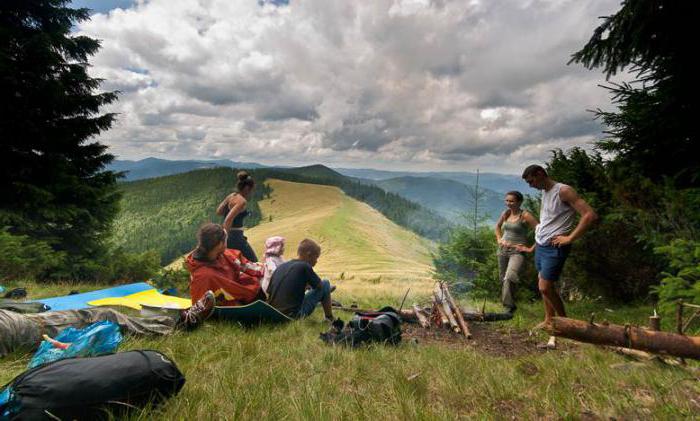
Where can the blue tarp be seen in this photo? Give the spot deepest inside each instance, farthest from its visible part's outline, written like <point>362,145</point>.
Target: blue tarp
<point>78,301</point>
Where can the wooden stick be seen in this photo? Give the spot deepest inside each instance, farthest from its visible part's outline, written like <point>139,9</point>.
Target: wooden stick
<point>441,314</point>
<point>643,355</point>
<point>422,318</point>
<point>442,302</point>
<point>458,313</point>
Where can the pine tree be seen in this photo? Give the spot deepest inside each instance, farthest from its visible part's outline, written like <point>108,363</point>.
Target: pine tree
<point>654,134</point>
<point>54,187</point>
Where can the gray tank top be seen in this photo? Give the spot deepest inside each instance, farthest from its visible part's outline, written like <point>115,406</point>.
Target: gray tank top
<point>556,216</point>
<point>515,232</point>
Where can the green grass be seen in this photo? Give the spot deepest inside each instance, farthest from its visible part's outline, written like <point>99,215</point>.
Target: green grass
<point>286,372</point>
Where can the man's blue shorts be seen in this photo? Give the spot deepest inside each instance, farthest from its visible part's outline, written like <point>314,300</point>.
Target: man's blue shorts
<point>549,261</point>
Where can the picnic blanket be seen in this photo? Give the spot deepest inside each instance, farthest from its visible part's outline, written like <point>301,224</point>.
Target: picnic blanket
<point>78,301</point>
<point>149,298</point>
<point>253,313</point>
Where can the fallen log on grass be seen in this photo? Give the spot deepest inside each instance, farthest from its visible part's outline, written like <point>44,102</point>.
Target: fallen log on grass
<point>410,316</point>
<point>626,336</point>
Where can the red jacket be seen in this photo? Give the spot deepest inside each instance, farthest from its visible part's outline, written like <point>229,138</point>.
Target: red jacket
<point>231,277</point>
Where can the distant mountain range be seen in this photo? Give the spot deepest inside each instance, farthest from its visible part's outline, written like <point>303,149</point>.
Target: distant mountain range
<point>450,194</point>
<point>155,167</point>
<point>451,199</point>
<point>500,183</point>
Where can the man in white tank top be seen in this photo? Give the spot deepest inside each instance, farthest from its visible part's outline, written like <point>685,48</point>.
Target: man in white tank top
<point>554,235</point>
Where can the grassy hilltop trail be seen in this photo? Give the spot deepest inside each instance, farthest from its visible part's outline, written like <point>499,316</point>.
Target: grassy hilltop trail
<point>361,246</point>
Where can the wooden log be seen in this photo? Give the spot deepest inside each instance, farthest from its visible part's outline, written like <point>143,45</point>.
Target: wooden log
<point>441,300</point>
<point>458,312</point>
<point>627,337</point>
<point>422,318</point>
<point>440,315</point>
<point>409,315</point>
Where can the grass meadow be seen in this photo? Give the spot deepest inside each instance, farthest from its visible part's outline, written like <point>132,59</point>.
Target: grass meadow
<point>287,373</point>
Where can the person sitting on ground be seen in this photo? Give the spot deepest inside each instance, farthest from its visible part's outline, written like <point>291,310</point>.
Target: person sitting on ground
<point>554,235</point>
<point>233,278</point>
<point>274,249</point>
<point>511,236</point>
<point>24,331</point>
<point>290,280</point>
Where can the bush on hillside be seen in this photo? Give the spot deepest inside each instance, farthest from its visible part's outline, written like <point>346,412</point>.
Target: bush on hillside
<point>123,266</point>
<point>682,279</point>
<point>24,258</point>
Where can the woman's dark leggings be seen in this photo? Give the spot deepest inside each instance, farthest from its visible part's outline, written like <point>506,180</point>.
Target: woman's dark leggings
<point>238,241</point>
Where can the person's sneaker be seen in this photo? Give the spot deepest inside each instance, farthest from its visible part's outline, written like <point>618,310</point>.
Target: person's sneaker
<point>199,312</point>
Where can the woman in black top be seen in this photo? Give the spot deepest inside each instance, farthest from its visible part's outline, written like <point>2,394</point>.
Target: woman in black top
<point>232,208</point>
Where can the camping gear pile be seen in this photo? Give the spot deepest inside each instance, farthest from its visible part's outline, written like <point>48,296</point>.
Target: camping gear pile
<point>383,326</point>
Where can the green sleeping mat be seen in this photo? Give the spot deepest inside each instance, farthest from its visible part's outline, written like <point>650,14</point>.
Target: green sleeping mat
<point>253,313</point>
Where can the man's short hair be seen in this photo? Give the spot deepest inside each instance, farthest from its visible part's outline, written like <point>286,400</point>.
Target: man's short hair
<point>533,170</point>
<point>308,247</point>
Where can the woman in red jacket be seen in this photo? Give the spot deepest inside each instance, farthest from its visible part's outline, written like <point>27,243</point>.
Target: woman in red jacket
<point>233,278</point>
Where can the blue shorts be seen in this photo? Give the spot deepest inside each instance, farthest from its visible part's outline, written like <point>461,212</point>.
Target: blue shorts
<point>549,261</point>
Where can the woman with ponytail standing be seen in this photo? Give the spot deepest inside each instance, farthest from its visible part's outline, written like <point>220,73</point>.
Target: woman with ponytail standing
<point>511,235</point>
<point>233,209</point>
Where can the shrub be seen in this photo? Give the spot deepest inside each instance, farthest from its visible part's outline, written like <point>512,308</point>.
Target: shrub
<point>21,257</point>
<point>682,279</point>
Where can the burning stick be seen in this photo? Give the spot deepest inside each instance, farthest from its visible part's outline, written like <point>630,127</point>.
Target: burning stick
<point>443,305</point>
<point>458,312</point>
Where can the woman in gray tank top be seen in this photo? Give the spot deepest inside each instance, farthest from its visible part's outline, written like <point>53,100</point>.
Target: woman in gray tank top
<point>511,234</point>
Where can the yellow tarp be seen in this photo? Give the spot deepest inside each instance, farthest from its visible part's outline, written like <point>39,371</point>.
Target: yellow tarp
<point>151,298</point>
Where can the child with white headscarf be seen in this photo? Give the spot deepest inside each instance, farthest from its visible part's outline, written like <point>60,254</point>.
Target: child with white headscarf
<point>274,249</point>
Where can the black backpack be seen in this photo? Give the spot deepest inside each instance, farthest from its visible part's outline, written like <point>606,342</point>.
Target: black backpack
<point>383,326</point>
<point>87,388</point>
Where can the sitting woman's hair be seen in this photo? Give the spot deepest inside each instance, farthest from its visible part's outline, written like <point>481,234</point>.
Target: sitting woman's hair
<point>308,248</point>
<point>244,180</point>
<point>208,237</point>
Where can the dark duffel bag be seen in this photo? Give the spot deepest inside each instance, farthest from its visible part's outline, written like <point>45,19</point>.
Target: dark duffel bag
<point>91,388</point>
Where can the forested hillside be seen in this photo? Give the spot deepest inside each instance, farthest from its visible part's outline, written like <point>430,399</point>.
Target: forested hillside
<point>163,213</point>
<point>449,198</point>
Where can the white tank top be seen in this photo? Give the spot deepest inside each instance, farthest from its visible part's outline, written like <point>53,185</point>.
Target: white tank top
<point>556,216</point>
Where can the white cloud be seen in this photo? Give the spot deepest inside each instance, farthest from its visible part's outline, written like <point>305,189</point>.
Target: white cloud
<point>405,84</point>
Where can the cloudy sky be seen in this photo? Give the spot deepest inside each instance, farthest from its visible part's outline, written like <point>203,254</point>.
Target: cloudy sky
<point>388,84</point>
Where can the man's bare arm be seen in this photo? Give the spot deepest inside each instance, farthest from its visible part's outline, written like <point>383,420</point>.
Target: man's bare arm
<point>588,216</point>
